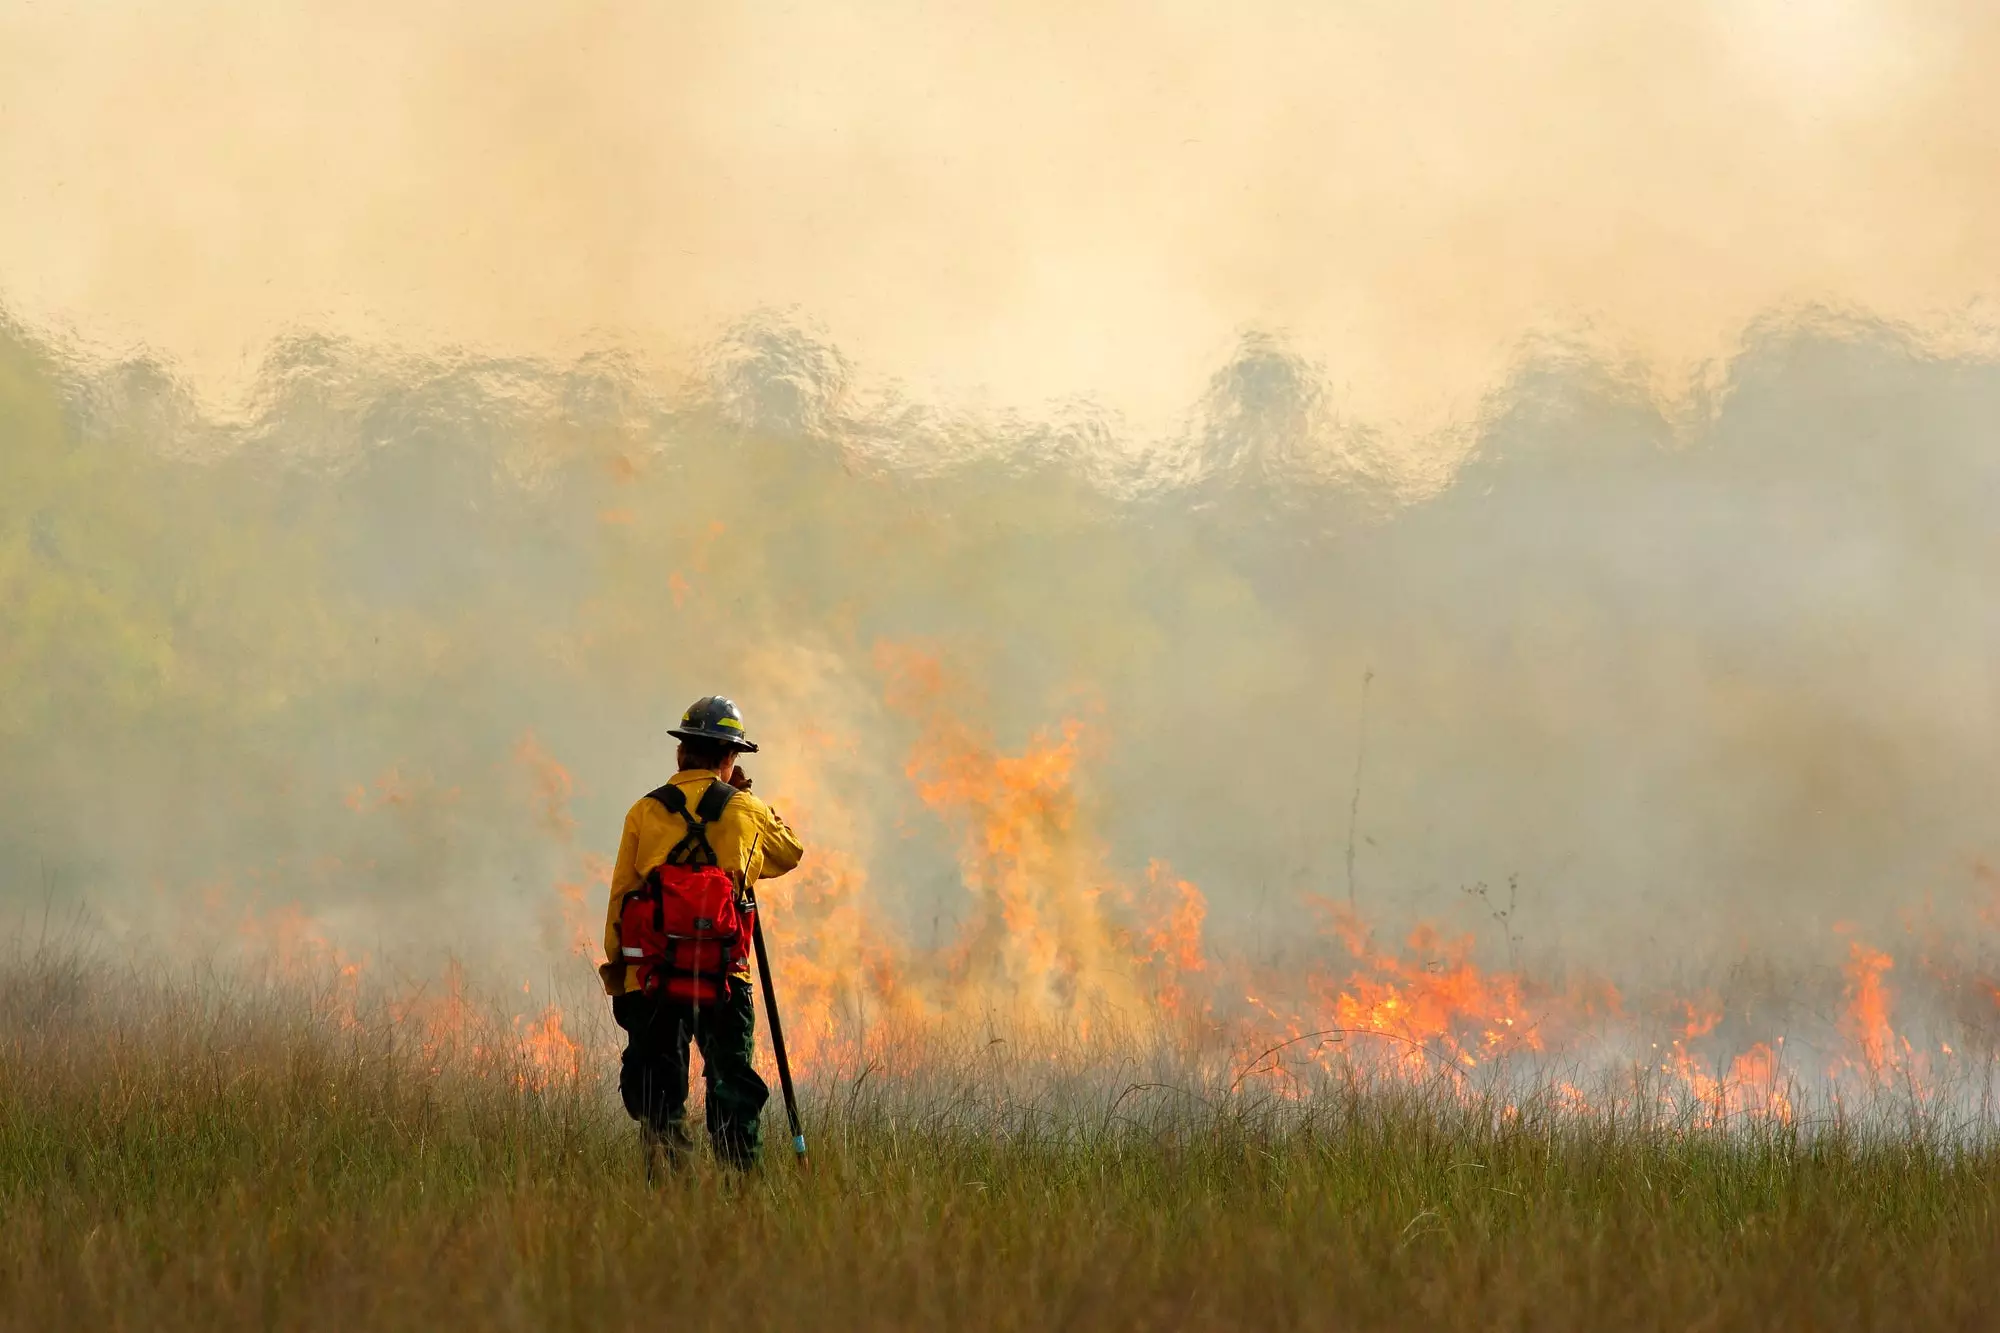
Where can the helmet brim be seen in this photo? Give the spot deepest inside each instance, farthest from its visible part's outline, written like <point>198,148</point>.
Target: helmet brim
<point>737,743</point>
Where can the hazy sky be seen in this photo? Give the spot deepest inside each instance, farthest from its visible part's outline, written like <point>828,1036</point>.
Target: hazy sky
<point>1024,202</point>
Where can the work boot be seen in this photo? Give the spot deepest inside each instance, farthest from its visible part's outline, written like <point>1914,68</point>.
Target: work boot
<point>669,1146</point>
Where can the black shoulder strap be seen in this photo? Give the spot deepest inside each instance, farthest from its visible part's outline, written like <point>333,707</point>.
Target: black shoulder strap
<point>693,849</point>
<point>714,801</point>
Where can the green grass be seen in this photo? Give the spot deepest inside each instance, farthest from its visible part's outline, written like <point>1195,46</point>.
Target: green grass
<point>202,1156</point>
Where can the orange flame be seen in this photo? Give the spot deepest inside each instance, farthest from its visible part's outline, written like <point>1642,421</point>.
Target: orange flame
<point>1866,1022</point>
<point>1415,1013</point>
<point>1038,939</point>
<point>551,1055</point>
<point>1171,944</point>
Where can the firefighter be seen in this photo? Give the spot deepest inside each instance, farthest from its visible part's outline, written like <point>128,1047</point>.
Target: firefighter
<point>704,816</point>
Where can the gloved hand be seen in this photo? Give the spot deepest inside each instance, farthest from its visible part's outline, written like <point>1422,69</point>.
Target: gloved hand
<point>740,780</point>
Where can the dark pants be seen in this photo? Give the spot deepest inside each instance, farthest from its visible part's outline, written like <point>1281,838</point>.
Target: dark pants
<point>653,1077</point>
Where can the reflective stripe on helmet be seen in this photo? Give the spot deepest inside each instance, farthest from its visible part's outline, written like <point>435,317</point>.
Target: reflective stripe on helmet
<point>715,718</point>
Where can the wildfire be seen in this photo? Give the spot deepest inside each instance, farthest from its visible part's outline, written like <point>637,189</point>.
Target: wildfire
<point>549,1054</point>
<point>1038,939</point>
<point>1050,933</point>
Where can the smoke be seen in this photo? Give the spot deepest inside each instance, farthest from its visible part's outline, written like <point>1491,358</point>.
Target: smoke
<point>1015,205</point>
<point>400,645</point>
<point>1426,456</point>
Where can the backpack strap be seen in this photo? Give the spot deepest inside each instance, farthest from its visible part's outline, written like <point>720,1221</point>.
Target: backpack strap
<point>693,849</point>
<point>714,801</point>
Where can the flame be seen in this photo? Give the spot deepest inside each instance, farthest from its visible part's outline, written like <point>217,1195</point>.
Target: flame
<point>1757,1086</point>
<point>1754,1087</point>
<point>1170,941</point>
<point>1052,934</point>
<point>1424,1011</point>
<point>443,1025</point>
<point>1866,1021</point>
<point>1039,940</point>
<point>550,1054</point>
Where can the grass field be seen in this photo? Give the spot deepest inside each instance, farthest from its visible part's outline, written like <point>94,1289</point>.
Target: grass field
<point>206,1155</point>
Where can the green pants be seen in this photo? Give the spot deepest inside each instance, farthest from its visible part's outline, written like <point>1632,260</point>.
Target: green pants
<point>653,1077</point>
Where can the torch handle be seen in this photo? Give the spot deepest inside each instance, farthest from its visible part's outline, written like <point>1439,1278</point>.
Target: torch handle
<point>777,1031</point>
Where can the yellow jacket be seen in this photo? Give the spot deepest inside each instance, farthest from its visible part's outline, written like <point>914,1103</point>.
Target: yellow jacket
<point>749,840</point>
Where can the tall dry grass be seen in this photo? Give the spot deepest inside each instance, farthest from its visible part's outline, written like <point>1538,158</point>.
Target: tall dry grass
<point>204,1153</point>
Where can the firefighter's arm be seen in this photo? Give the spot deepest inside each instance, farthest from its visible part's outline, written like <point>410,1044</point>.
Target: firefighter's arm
<point>779,848</point>
<point>624,878</point>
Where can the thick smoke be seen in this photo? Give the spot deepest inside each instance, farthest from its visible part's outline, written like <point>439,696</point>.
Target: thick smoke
<point>399,643</point>
<point>1040,202</point>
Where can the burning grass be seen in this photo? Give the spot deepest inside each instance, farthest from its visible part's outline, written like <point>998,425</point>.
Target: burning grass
<point>208,1154</point>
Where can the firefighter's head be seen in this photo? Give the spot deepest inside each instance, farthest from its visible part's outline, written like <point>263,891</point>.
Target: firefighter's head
<point>711,736</point>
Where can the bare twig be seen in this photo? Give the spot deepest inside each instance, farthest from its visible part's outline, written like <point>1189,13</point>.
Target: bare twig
<point>1360,761</point>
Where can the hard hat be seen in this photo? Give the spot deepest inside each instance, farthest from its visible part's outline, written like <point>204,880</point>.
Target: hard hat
<point>714,718</point>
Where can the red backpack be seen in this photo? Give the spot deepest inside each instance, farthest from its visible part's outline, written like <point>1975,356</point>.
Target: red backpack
<point>684,927</point>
